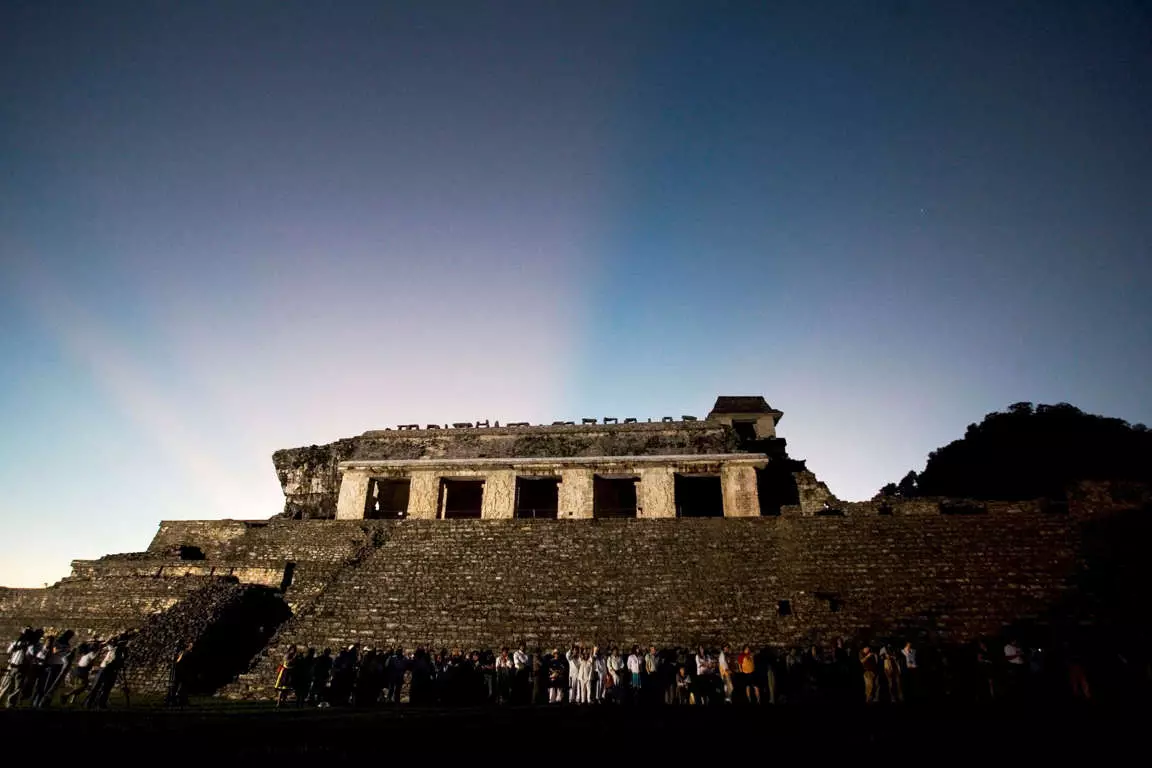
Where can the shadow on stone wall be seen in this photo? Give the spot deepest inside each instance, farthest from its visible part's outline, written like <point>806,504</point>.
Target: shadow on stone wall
<point>224,624</point>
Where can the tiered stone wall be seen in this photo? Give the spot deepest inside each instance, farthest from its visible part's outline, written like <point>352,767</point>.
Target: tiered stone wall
<point>952,569</point>
<point>91,607</point>
<point>872,570</point>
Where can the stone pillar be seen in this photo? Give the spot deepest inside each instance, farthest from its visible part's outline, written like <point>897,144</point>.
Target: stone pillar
<point>353,495</point>
<point>575,494</point>
<point>424,495</point>
<point>741,498</point>
<point>657,493</point>
<point>499,495</point>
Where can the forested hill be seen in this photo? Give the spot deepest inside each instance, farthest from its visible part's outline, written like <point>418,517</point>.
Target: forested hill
<point>1028,452</point>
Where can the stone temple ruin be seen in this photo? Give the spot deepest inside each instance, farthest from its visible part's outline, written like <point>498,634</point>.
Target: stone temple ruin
<point>674,532</point>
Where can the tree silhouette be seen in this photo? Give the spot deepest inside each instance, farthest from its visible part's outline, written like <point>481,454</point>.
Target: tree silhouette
<point>1028,452</point>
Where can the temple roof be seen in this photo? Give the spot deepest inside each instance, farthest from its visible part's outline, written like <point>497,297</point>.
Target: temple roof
<point>741,404</point>
<point>744,405</point>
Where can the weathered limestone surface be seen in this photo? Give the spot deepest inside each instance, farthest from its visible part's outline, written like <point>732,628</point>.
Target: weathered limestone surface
<point>310,475</point>
<point>575,494</point>
<point>499,501</point>
<point>814,494</point>
<point>424,496</point>
<point>738,483</point>
<point>353,495</point>
<point>656,495</point>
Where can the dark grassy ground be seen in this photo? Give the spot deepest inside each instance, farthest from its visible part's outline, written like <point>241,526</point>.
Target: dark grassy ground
<point>1033,734</point>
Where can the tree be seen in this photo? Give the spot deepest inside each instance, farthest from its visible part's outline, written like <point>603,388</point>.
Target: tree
<point>1028,452</point>
<point>907,485</point>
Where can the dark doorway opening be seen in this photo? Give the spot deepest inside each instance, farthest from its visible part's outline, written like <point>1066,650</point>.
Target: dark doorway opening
<point>699,496</point>
<point>745,430</point>
<point>461,499</point>
<point>776,488</point>
<point>537,497</point>
<point>613,497</point>
<point>387,499</point>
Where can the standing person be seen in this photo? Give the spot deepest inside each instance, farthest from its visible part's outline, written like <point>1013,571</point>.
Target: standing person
<point>768,661</point>
<point>652,669</point>
<point>541,679</point>
<point>556,681</point>
<point>747,665</point>
<point>343,677</point>
<point>869,665</point>
<point>600,675</point>
<point>573,658</point>
<point>911,681</point>
<point>892,676</point>
<point>617,670</point>
<point>704,679</point>
<point>179,678</point>
<point>683,687</point>
<point>635,667</point>
<point>521,684</point>
<point>284,674</point>
<point>724,665</point>
<point>584,676</point>
<point>302,676</point>
<point>321,670</point>
<point>1016,665</point>
<point>505,674</point>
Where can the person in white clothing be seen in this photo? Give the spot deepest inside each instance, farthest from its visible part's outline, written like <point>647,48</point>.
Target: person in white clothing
<point>600,673</point>
<point>704,680</point>
<point>584,679</point>
<point>573,657</point>
<point>635,666</point>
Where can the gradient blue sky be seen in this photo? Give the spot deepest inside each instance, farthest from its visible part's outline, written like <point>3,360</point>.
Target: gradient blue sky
<point>227,228</point>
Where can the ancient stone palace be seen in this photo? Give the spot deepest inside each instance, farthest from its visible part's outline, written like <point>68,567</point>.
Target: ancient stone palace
<point>669,530</point>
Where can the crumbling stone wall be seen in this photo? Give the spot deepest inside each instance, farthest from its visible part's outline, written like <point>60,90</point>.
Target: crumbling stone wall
<point>311,482</point>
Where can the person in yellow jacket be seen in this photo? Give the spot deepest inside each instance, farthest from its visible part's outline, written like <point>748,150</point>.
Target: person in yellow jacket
<point>747,664</point>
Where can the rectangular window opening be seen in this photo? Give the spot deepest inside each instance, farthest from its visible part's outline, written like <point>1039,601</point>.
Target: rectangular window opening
<point>387,499</point>
<point>699,496</point>
<point>745,430</point>
<point>613,497</point>
<point>537,498</point>
<point>776,488</point>
<point>461,499</point>
<point>784,608</point>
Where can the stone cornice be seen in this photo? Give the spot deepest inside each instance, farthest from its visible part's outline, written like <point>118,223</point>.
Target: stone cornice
<point>565,461</point>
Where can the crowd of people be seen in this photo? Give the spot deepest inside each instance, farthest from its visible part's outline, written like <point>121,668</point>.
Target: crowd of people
<point>46,669</point>
<point>42,666</point>
<point>360,676</point>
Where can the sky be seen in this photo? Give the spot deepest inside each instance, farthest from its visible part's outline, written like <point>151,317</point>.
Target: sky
<point>232,227</point>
